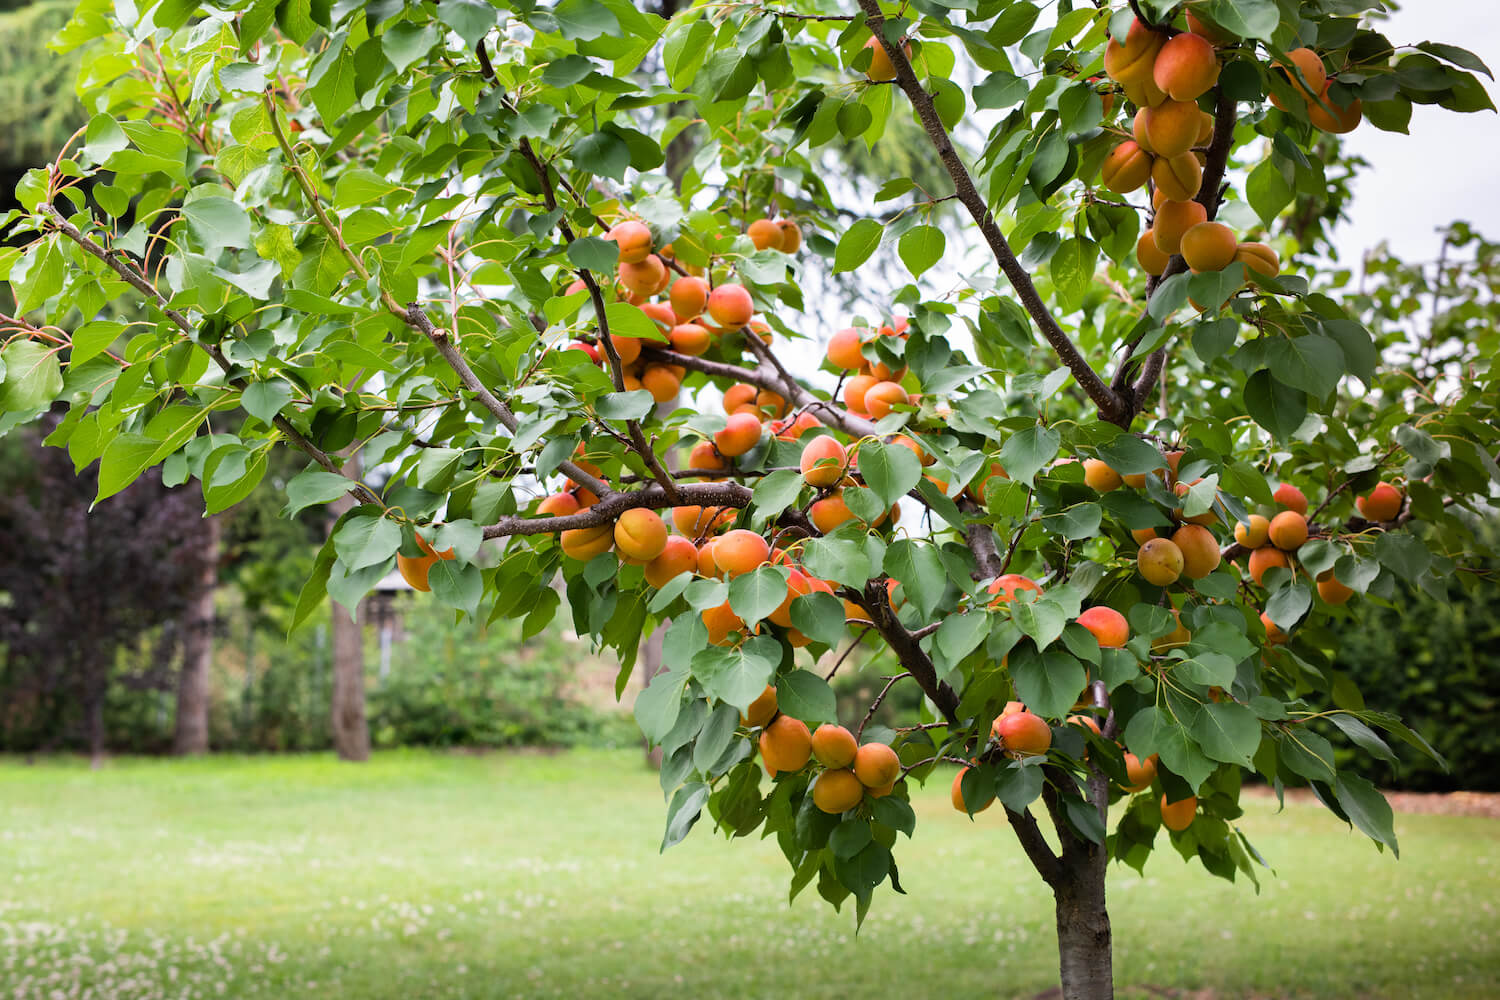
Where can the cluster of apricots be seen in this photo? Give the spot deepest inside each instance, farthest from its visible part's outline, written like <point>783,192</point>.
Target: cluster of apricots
<point>1164,75</point>
<point>875,388</point>
<point>692,315</point>
<point>849,770</point>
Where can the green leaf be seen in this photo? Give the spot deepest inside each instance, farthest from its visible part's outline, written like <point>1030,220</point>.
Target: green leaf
<point>1154,730</point>
<point>1312,363</point>
<point>920,571</point>
<point>1028,450</point>
<point>1306,753</point>
<point>1042,619</point>
<point>1227,731</point>
<point>594,254</point>
<point>1403,554</point>
<point>313,485</point>
<point>686,807</point>
<point>715,736</point>
<point>1246,18</point>
<point>890,471</point>
<point>740,674</point>
<point>123,461</point>
<point>456,585</point>
<point>331,85</point>
<point>1018,786</point>
<point>856,245</point>
<point>920,248</point>
<point>1274,405</point>
<point>1049,683</point>
<point>631,405</point>
<point>367,540</point>
<point>804,695</point>
<point>603,154</point>
<point>217,222</point>
<point>30,377</point>
<point>1367,809</point>
<point>264,400</point>
<point>820,617</point>
<point>360,187</point>
<point>1072,268</point>
<point>1000,90</point>
<point>776,492</point>
<point>1288,604</point>
<point>756,594</point>
<point>1268,191</point>
<point>473,19</point>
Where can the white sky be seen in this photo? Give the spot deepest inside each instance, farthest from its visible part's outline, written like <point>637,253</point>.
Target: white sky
<point>1446,168</point>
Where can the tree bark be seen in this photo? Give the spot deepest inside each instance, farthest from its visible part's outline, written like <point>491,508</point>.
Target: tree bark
<point>198,653</point>
<point>351,733</point>
<point>1084,943</point>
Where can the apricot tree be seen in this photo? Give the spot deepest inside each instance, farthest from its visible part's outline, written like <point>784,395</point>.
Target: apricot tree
<point>1096,492</point>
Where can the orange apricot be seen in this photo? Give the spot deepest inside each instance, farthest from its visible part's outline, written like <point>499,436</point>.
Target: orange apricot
<point>823,461</point>
<point>1383,503</point>
<point>689,296</point>
<point>1107,625</point>
<point>855,390</point>
<point>678,556</point>
<point>1186,67</point>
<point>876,765</point>
<point>721,621</point>
<point>836,791</point>
<point>584,544</point>
<point>785,744</point>
<point>1178,816</point>
<point>640,536</point>
<point>1209,246</point>
<point>1139,773</point>
<point>881,397</point>
<point>690,338</point>
<point>1151,258</point>
<point>1254,533</point>
<point>957,794</point>
<point>1007,585</point>
<point>740,551</point>
<point>1178,177</point>
<point>1199,548</point>
<point>662,382</point>
<point>1310,65</point>
<point>843,350</point>
<point>558,504</point>
<point>1258,259</point>
<point>1160,562</point>
<point>730,306</point>
<point>881,68</point>
<point>738,395</point>
<point>1023,734</point>
<point>1173,219</point>
<point>1266,558</point>
<point>1126,168</point>
<point>633,239</point>
<point>1099,476</point>
<point>1274,634</point>
<point>791,236</point>
<point>1288,531</point>
<point>643,276</point>
<point>1345,117</point>
<point>1133,59</point>
<point>761,710</point>
<point>1332,590</point>
<point>1171,127</point>
<point>1207,30</point>
<point>628,348</point>
<point>1144,93</point>
<point>740,434</point>
<point>764,234</point>
<point>828,513</point>
<point>834,746</point>
<point>771,402</point>
<point>1291,498</point>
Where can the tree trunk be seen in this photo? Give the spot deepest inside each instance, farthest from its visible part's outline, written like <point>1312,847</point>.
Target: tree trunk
<point>198,653</point>
<point>1085,959</point>
<point>351,734</point>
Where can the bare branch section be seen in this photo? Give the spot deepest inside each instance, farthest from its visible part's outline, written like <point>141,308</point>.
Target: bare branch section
<point>608,509</point>
<point>1109,404</point>
<point>126,269</point>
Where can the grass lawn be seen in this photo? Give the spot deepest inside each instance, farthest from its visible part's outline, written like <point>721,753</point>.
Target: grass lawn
<point>425,875</point>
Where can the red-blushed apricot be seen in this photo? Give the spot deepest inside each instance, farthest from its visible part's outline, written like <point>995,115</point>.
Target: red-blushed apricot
<point>923,456</point>
<point>628,348</point>
<point>661,314</point>
<point>1383,503</point>
<point>1098,474</point>
<point>1173,219</point>
<point>690,338</point>
<point>1288,531</point>
<point>689,297</point>
<point>738,395</point>
<point>1133,59</point>
<point>584,544</point>
<point>1126,168</point>
<point>740,434</point>
<point>589,349</point>
<point>1291,498</point>
<point>1332,590</point>
<point>721,622</point>
<point>704,456</point>
<point>957,794</point>
<point>1310,65</point>
<point>881,397</point>
<point>633,239</point>
<point>823,461</point>
<point>1108,626</point>
<point>881,68</point>
<point>828,513</point>
<point>1254,533</point>
<point>876,765</point>
<point>792,428</point>
<point>765,234</point>
<point>1345,117</point>
<point>1178,816</point>
<point>836,791</point>
<point>1170,128</point>
<point>740,551</point>
<point>1274,634</point>
<point>1023,734</point>
<point>785,745</point>
<point>1208,30</point>
<point>1139,773</point>
<point>761,710</point>
<point>1258,259</point>
<point>834,746</point>
<point>791,236</point>
<point>1199,548</point>
<point>1007,585</point>
<point>1209,246</point>
<point>558,504</point>
<point>855,390</point>
<point>1179,636</point>
<point>730,306</point>
<point>1151,259</point>
<point>1160,562</point>
<point>1266,558</point>
<point>1186,67</point>
<point>662,382</point>
<point>640,536</point>
<point>642,276</point>
<point>844,350</point>
<point>678,556</point>
<point>771,402</point>
<point>1178,177</point>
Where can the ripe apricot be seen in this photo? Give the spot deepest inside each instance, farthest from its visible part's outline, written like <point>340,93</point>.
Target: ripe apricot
<point>791,236</point>
<point>695,522</point>
<point>1178,177</point>
<point>1138,130</point>
<point>881,68</point>
<point>730,306</point>
<point>1099,476</point>
<point>1160,562</point>
<point>1179,636</point>
<point>1291,498</point>
<point>1085,722</point>
<point>633,239</point>
<point>1173,219</point>
<point>1144,93</point>
<point>739,395</point>
<point>764,234</point>
<point>1151,259</point>
<point>1144,535</point>
<point>761,709</point>
<point>707,567</point>
<point>640,536</point>
<point>855,390</point>
<point>741,433</point>
<point>1199,548</point>
<point>1133,59</point>
<point>1205,29</point>
<point>1171,127</point>
<point>662,382</point>
<point>1265,558</point>
<point>1139,773</point>
<point>823,461</point>
<point>1258,259</point>
<point>882,396</point>
<point>1288,531</point>
<point>678,556</point>
<point>628,348</point>
<point>1332,590</point>
<point>1274,635</point>
<point>1383,503</point>
<point>584,544</point>
<point>830,512</point>
<point>1254,533</point>
<point>771,402</point>
<point>1207,518</point>
<point>1126,168</point>
<point>643,276</point>
<point>1209,246</point>
<point>876,765</point>
<point>1178,816</point>
<point>834,746</point>
<point>796,586</point>
<point>1108,626</point>
<point>837,791</point>
<point>660,313</point>
<point>690,338</point>
<point>740,551</point>
<point>1310,65</point>
<point>1345,117</point>
<point>1007,585</point>
<point>844,350</point>
<point>414,570</point>
<point>558,504</point>
<point>785,744</point>
<point>1023,734</point>
<point>689,296</point>
<point>957,794</point>
<point>925,457</point>
<point>1186,67</point>
<point>1206,125</point>
<point>721,621</point>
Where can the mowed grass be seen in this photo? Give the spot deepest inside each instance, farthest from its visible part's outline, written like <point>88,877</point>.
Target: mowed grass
<point>511,875</point>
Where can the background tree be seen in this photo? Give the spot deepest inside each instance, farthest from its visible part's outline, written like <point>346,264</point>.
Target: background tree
<point>456,209</point>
